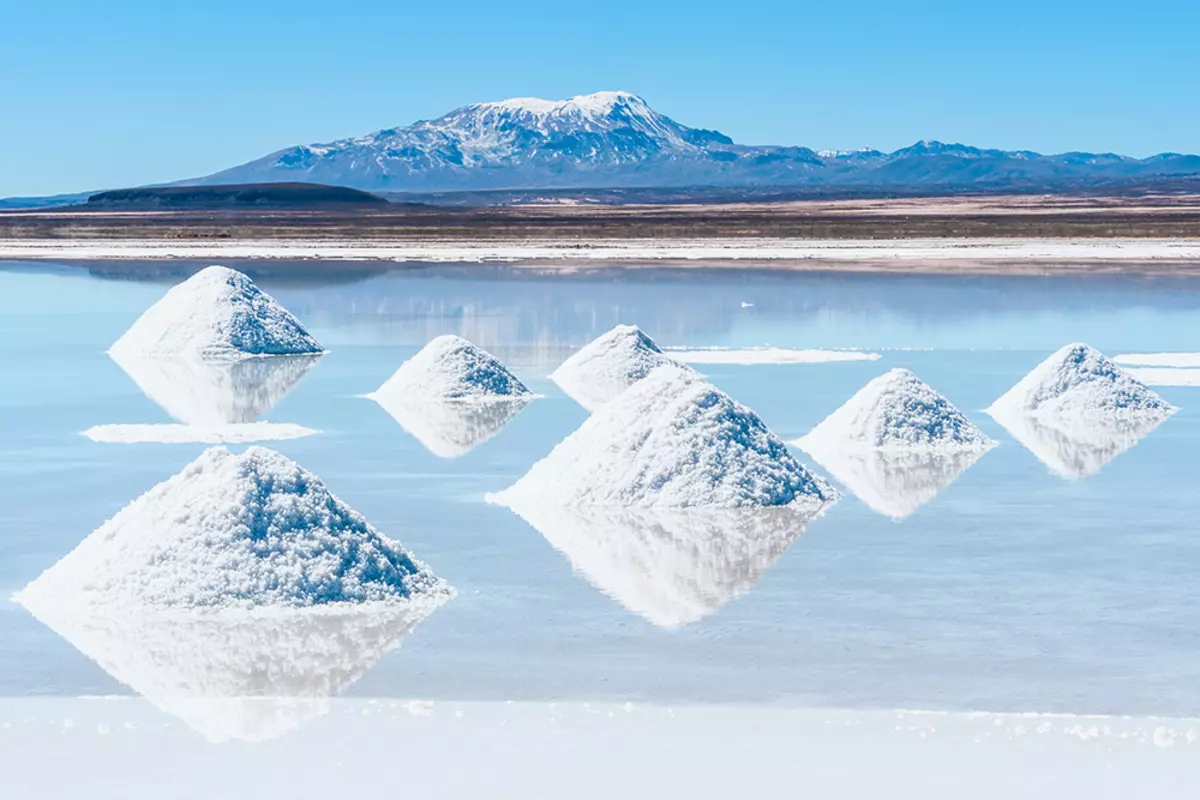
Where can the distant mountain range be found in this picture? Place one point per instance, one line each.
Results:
(614, 139)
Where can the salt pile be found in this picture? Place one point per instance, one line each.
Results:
(233, 674)
(214, 400)
(216, 313)
(896, 443)
(452, 396)
(451, 368)
(608, 365)
(234, 531)
(669, 440)
(672, 567)
(1078, 382)
(1078, 410)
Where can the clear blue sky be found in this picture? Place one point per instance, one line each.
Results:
(105, 94)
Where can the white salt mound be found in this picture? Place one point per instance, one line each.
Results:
(897, 410)
(216, 313)
(234, 531)
(608, 365)
(670, 440)
(1079, 382)
(451, 368)
(671, 566)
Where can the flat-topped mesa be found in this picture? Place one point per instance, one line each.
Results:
(608, 365)
(451, 368)
(216, 313)
(245, 531)
(897, 410)
(1077, 383)
(671, 440)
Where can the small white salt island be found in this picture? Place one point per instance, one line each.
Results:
(672, 498)
(236, 563)
(610, 364)
(896, 443)
(1078, 410)
(452, 396)
(215, 353)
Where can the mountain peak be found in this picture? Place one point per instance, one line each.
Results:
(595, 104)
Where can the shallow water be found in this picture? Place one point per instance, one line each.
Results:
(1011, 589)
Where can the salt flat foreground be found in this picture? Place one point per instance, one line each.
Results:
(861, 255)
(122, 748)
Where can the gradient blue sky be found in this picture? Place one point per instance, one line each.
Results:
(105, 94)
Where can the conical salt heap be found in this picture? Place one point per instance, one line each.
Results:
(234, 532)
(216, 313)
(670, 440)
(609, 364)
(239, 595)
(452, 396)
(1078, 410)
(896, 443)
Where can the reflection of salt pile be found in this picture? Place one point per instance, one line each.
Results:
(609, 364)
(672, 497)
(238, 588)
(452, 396)
(896, 443)
(246, 676)
(1078, 410)
(671, 566)
(217, 400)
(218, 312)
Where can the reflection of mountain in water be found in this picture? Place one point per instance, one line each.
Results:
(216, 400)
(1078, 448)
(247, 676)
(451, 428)
(895, 482)
(671, 566)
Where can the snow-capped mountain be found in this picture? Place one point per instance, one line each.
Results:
(613, 139)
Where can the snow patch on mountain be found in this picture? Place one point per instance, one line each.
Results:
(670, 440)
(216, 313)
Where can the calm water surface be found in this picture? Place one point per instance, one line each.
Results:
(1012, 589)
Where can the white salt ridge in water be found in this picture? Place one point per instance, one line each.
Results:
(167, 433)
(766, 355)
(670, 440)
(216, 313)
(451, 368)
(1078, 410)
(608, 365)
(896, 443)
(1159, 359)
(1079, 382)
(234, 674)
(672, 567)
(1166, 376)
(233, 531)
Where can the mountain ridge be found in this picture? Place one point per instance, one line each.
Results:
(615, 139)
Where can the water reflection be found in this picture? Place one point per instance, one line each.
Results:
(237, 675)
(893, 483)
(671, 566)
(450, 428)
(214, 400)
(1077, 448)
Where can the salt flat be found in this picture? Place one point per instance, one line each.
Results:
(796, 253)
